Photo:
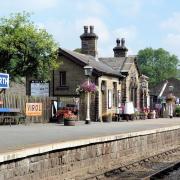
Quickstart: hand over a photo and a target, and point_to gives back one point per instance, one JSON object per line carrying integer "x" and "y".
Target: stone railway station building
{"x": 118, "y": 79}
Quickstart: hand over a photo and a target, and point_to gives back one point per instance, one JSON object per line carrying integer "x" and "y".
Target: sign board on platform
{"x": 39, "y": 88}
{"x": 4, "y": 81}
{"x": 33, "y": 109}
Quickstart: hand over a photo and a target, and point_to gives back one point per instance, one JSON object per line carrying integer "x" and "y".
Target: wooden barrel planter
{"x": 69, "y": 122}
{"x": 107, "y": 118}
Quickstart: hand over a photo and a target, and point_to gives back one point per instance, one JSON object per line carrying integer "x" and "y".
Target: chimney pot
{"x": 89, "y": 41}
{"x": 118, "y": 41}
{"x": 91, "y": 29}
{"x": 120, "y": 50}
{"x": 85, "y": 29}
{"x": 123, "y": 42}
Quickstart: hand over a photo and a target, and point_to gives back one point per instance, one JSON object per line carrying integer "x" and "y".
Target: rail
{"x": 153, "y": 167}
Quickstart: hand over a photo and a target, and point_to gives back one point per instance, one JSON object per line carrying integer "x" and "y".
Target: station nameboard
{"x": 4, "y": 81}
{"x": 33, "y": 109}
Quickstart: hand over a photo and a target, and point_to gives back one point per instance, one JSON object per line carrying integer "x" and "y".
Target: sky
{"x": 143, "y": 23}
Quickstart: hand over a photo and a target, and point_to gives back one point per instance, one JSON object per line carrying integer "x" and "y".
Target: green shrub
{"x": 177, "y": 110}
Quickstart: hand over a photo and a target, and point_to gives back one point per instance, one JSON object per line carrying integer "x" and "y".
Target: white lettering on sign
{"x": 33, "y": 109}
{"x": 4, "y": 80}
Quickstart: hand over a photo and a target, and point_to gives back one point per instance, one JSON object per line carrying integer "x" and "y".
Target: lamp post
{"x": 171, "y": 89}
{"x": 143, "y": 89}
{"x": 88, "y": 72}
{"x": 171, "y": 100}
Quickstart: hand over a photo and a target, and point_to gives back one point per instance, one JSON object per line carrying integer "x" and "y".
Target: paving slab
{"x": 19, "y": 137}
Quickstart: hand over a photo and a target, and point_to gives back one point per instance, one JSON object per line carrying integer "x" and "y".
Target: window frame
{"x": 62, "y": 82}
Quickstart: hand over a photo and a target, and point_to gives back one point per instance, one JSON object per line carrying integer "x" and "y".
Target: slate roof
{"x": 95, "y": 63}
{"x": 111, "y": 66}
{"x": 171, "y": 82}
{"x": 114, "y": 63}
{"x": 123, "y": 64}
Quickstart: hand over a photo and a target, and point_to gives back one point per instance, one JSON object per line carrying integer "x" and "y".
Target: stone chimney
{"x": 89, "y": 42}
{"x": 120, "y": 50}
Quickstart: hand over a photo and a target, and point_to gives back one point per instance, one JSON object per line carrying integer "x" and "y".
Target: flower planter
{"x": 69, "y": 122}
{"x": 142, "y": 116}
{"x": 177, "y": 111}
{"x": 152, "y": 115}
{"x": 107, "y": 118}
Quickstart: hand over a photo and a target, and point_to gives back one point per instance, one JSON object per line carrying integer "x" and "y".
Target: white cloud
{"x": 67, "y": 34}
{"x": 32, "y": 5}
{"x": 172, "y": 23}
{"x": 128, "y": 8}
{"x": 129, "y": 32}
{"x": 100, "y": 27}
{"x": 172, "y": 40}
{"x": 91, "y": 7}
{"x": 172, "y": 43}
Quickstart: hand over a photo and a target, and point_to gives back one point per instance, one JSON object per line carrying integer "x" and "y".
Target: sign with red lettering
{"x": 33, "y": 109}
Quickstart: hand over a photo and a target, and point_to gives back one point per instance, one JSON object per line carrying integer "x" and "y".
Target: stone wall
{"x": 132, "y": 73}
{"x": 88, "y": 160}
{"x": 103, "y": 96}
{"x": 17, "y": 88}
{"x": 74, "y": 77}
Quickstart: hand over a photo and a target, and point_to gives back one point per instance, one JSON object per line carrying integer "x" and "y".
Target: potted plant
{"x": 70, "y": 119}
{"x": 152, "y": 114}
{"x": 107, "y": 117}
{"x": 177, "y": 111}
{"x": 142, "y": 115}
{"x": 136, "y": 114}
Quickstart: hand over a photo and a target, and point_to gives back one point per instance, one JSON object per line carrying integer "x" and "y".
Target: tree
{"x": 79, "y": 50}
{"x": 157, "y": 64}
{"x": 26, "y": 50}
{"x": 178, "y": 74}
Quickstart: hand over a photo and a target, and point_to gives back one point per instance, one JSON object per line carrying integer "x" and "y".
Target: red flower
{"x": 70, "y": 116}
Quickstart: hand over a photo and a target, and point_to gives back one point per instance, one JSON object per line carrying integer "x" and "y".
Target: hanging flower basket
{"x": 86, "y": 87}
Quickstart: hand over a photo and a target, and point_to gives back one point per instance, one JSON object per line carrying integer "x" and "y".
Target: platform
{"x": 20, "y": 140}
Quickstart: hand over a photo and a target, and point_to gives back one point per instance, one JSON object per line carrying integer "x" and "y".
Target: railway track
{"x": 165, "y": 172}
{"x": 155, "y": 167}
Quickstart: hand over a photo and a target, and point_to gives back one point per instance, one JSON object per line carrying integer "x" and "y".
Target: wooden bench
{"x": 11, "y": 115}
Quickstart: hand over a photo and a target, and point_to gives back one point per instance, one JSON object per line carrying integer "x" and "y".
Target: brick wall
{"x": 87, "y": 161}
